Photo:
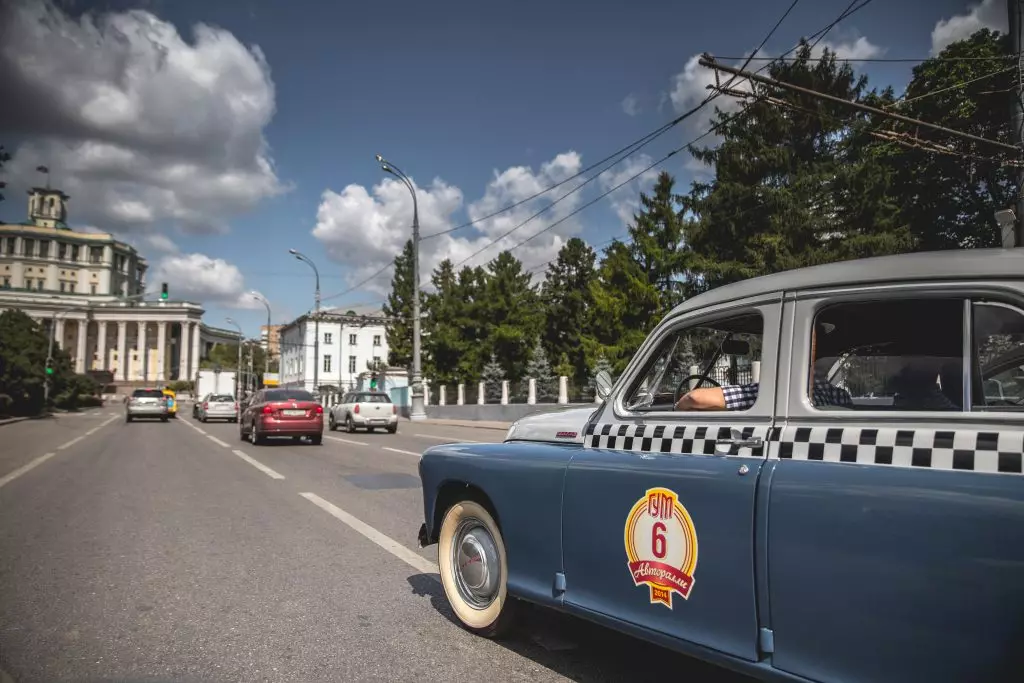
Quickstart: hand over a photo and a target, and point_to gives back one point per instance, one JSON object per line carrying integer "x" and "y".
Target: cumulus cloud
{"x": 625, "y": 201}
{"x": 859, "y": 48}
{"x": 631, "y": 105}
{"x": 197, "y": 277}
{"x": 364, "y": 228}
{"x": 986, "y": 14}
{"x": 139, "y": 126}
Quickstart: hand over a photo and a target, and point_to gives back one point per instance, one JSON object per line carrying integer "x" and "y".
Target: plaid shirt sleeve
{"x": 740, "y": 397}
{"x": 826, "y": 394}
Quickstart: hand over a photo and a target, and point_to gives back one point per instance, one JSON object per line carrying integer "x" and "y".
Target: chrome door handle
{"x": 753, "y": 442}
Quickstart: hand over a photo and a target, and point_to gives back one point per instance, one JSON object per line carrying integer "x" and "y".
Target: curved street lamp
{"x": 266, "y": 304}
{"x": 316, "y": 317}
{"x": 416, "y": 409}
{"x": 238, "y": 368}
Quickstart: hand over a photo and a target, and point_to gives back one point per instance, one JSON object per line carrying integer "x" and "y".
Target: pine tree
{"x": 567, "y": 298}
{"x": 539, "y": 369}
{"x": 509, "y": 308}
{"x": 492, "y": 376}
{"x": 443, "y": 341}
{"x": 398, "y": 309}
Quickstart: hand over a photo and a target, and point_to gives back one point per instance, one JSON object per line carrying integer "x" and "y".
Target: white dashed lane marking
{"x": 258, "y": 465}
{"x": 29, "y": 466}
{"x": 351, "y": 441}
{"x": 386, "y": 542}
{"x": 449, "y": 439}
{"x": 399, "y": 450}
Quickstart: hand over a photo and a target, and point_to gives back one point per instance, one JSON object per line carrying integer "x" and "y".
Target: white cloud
{"x": 139, "y": 126}
{"x": 861, "y": 48}
{"x": 631, "y": 105}
{"x": 197, "y": 277}
{"x": 689, "y": 88}
{"x": 987, "y": 14}
{"x": 626, "y": 200}
{"x": 364, "y": 229}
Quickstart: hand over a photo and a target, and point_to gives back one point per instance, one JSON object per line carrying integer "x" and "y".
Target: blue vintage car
{"x": 809, "y": 476}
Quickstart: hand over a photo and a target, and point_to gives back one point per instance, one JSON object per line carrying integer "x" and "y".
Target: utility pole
{"x": 316, "y": 319}
{"x": 1014, "y": 25}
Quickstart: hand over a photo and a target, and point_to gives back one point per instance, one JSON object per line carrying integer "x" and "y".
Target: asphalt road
{"x": 176, "y": 552}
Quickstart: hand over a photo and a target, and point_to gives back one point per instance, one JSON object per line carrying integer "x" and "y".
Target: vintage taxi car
{"x": 849, "y": 507}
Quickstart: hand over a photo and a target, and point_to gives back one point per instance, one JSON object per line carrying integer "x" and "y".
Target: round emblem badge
{"x": 661, "y": 546}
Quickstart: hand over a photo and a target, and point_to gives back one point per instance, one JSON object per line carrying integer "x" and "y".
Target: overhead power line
{"x": 886, "y": 60}
{"x": 955, "y": 86}
{"x": 709, "y": 62}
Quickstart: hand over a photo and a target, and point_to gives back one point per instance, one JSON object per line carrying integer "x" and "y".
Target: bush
{"x": 5, "y": 404}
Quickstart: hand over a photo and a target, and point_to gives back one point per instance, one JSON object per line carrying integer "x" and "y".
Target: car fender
{"x": 521, "y": 485}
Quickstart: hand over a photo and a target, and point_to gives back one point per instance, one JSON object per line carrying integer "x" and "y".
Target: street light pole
{"x": 266, "y": 356}
{"x": 238, "y": 371}
{"x": 417, "y": 409}
{"x": 316, "y": 317}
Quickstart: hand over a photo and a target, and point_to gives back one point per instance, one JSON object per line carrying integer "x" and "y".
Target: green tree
{"x": 510, "y": 309}
{"x": 949, "y": 200}
{"x": 567, "y": 298}
{"x": 398, "y": 309}
{"x": 656, "y": 241}
{"x": 23, "y": 345}
{"x": 539, "y": 369}
{"x": 792, "y": 187}
{"x": 492, "y": 376}
{"x": 443, "y": 339}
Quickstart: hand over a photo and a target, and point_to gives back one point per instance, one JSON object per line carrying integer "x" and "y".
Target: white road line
{"x": 217, "y": 441}
{"x": 354, "y": 443}
{"x": 25, "y": 468}
{"x": 11, "y": 476}
{"x": 386, "y": 542}
{"x": 449, "y": 439}
{"x": 399, "y": 450}
{"x": 258, "y": 465}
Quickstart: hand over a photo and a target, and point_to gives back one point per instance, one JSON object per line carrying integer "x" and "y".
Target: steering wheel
{"x": 683, "y": 386}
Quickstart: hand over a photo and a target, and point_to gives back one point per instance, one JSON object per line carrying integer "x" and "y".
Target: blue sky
{"x": 454, "y": 92}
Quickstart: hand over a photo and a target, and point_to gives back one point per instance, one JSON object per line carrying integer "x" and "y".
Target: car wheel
{"x": 392, "y": 430}
{"x": 472, "y": 561}
{"x": 242, "y": 436}
{"x": 254, "y": 438}
{"x": 164, "y": 418}
{"x": 316, "y": 439}
{"x": 331, "y": 423}
{"x": 350, "y": 426}
{"x": 127, "y": 418}
{"x": 204, "y": 419}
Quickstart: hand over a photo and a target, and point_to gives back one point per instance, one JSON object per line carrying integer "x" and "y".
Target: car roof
{"x": 925, "y": 266}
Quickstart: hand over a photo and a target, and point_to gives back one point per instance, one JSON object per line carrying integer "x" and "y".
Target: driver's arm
{"x": 740, "y": 397}
{"x": 704, "y": 398}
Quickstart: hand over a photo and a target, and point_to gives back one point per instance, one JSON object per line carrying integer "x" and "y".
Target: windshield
{"x": 289, "y": 395}
{"x": 147, "y": 393}
{"x": 373, "y": 398}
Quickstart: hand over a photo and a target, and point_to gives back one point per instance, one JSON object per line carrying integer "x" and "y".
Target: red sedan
{"x": 282, "y": 412}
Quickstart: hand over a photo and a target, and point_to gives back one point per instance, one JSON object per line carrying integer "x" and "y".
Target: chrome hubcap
{"x": 476, "y": 564}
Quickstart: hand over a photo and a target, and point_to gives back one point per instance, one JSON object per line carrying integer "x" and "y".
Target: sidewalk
{"x": 477, "y": 424}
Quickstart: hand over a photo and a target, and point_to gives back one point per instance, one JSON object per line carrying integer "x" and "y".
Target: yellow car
{"x": 172, "y": 402}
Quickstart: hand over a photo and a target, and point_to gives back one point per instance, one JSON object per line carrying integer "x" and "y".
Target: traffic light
{"x": 49, "y": 366}
{"x": 373, "y": 382}
{"x": 163, "y": 291}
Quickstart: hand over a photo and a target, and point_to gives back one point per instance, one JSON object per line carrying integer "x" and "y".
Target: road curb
{"x": 10, "y": 420}
{"x": 501, "y": 427}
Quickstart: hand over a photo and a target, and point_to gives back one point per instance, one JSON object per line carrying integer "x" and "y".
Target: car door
{"x": 895, "y": 536}
{"x": 658, "y": 507}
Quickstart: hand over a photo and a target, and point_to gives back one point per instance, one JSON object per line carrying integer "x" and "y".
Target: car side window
{"x": 724, "y": 353}
{"x": 888, "y": 355}
{"x": 998, "y": 357}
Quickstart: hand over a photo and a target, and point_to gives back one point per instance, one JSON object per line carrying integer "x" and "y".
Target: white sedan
{"x": 364, "y": 410}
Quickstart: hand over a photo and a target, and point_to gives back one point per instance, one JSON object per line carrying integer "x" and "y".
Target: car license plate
{"x": 294, "y": 413}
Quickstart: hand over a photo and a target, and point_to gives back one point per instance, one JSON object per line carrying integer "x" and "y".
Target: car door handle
{"x": 752, "y": 442}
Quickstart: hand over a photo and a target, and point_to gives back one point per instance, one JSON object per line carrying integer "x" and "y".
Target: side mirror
{"x": 604, "y": 384}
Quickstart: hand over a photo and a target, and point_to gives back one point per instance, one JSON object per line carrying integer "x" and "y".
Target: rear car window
{"x": 147, "y": 393}
{"x": 289, "y": 395}
{"x": 372, "y": 398}
{"x": 222, "y": 398}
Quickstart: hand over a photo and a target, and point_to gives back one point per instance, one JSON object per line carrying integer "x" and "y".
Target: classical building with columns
{"x": 87, "y": 288}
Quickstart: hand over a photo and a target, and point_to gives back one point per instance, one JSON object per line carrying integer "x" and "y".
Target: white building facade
{"x": 350, "y": 342}
{"x": 75, "y": 284}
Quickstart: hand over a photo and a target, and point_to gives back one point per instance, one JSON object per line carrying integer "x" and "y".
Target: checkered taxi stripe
{"x": 1000, "y": 452}
{"x": 961, "y": 449}
{"x": 679, "y": 439}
